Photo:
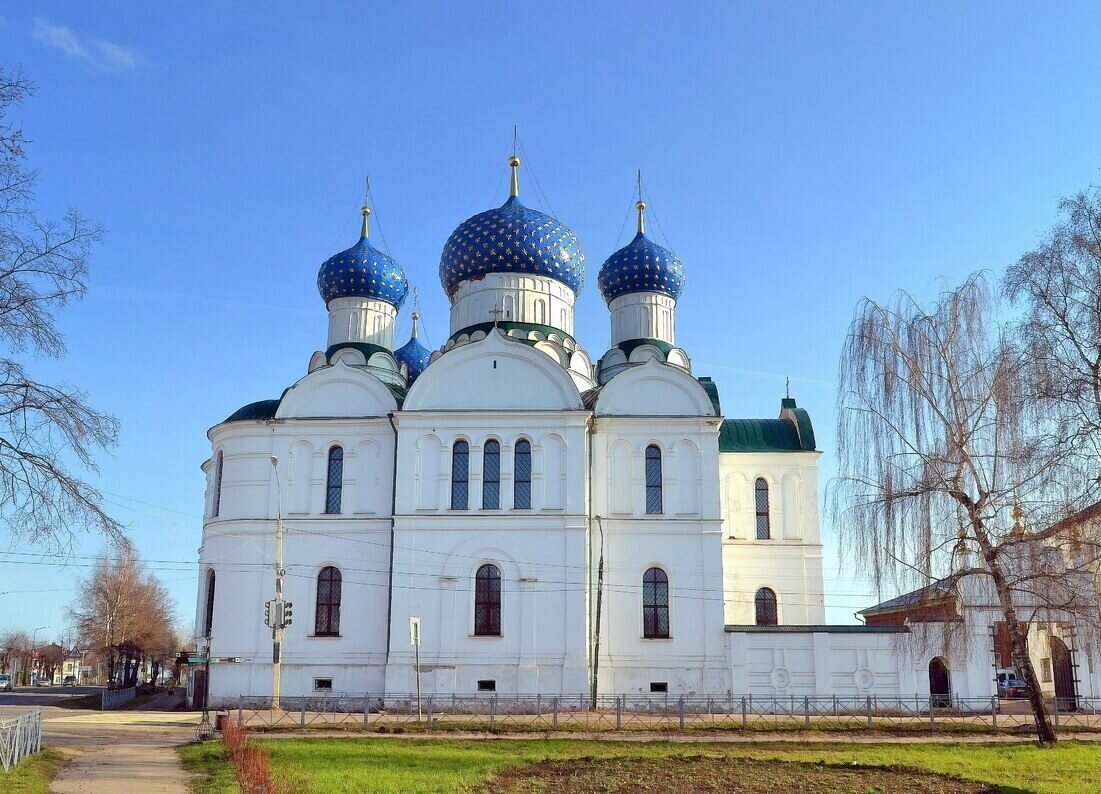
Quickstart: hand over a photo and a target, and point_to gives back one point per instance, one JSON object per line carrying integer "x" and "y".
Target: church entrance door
{"x": 1063, "y": 673}
{"x": 940, "y": 684}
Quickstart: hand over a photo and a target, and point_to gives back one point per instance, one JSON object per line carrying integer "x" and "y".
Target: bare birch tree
{"x": 48, "y": 432}
{"x": 938, "y": 449}
{"x": 1059, "y": 285}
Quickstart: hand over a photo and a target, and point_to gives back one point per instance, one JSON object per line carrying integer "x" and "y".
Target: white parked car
{"x": 5, "y": 682}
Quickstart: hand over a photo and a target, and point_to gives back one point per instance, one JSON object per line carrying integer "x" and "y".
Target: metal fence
{"x": 116, "y": 698}
{"x": 488, "y": 712}
{"x": 20, "y": 736}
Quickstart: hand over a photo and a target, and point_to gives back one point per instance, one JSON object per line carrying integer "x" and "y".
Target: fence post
{"x": 869, "y": 712}
{"x": 493, "y": 714}
{"x": 366, "y": 708}
{"x": 554, "y": 714}
{"x": 302, "y": 715}
{"x": 1055, "y": 700}
{"x": 745, "y": 721}
{"x": 932, "y": 714}
{"x": 682, "y": 712}
{"x": 806, "y": 711}
{"x": 429, "y": 711}
{"x": 994, "y": 712}
{"x": 618, "y": 712}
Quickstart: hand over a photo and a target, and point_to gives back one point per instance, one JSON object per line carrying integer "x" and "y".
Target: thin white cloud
{"x": 103, "y": 56}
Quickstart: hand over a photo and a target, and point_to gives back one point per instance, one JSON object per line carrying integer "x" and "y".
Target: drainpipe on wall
{"x": 393, "y": 522}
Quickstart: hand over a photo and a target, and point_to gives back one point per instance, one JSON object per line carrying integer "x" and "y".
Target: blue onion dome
{"x": 641, "y": 266}
{"x": 512, "y": 239}
{"x": 362, "y": 271}
{"x": 413, "y": 354}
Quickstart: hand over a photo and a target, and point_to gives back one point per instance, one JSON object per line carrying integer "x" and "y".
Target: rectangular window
{"x": 323, "y": 684}
{"x": 487, "y": 685}
{"x": 1045, "y": 670}
{"x": 659, "y": 686}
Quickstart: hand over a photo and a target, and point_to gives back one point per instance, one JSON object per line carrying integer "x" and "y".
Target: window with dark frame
{"x": 327, "y": 615}
{"x": 659, "y": 686}
{"x": 655, "y": 605}
{"x": 653, "y": 480}
{"x": 217, "y": 507}
{"x": 491, "y": 475}
{"x": 521, "y": 476}
{"x": 460, "y": 474}
{"x": 765, "y": 607}
{"x": 487, "y": 602}
{"x": 323, "y": 684}
{"x": 208, "y": 621}
{"x": 760, "y": 496}
{"x": 487, "y": 685}
{"x": 334, "y": 483}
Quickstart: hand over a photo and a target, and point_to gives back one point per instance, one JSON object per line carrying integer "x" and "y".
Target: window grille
{"x": 765, "y": 604}
{"x": 521, "y": 477}
{"x": 487, "y": 601}
{"x": 655, "y": 604}
{"x": 217, "y": 486}
{"x": 334, "y": 483}
{"x": 653, "y": 480}
{"x": 460, "y": 473}
{"x": 760, "y": 494}
{"x": 327, "y": 615}
{"x": 208, "y": 622}
{"x": 491, "y": 475}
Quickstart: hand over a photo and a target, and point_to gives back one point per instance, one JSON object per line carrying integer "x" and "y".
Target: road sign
{"x": 196, "y": 660}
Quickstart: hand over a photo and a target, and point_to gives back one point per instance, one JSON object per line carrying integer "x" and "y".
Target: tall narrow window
{"x": 655, "y": 604}
{"x": 326, "y": 621}
{"x": 760, "y": 497}
{"x": 487, "y": 602}
{"x": 653, "y": 480}
{"x": 521, "y": 476}
{"x": 208, "y": 617}
{"x": 217, "y": 486}
{"x": 491, "y": 475}
{"x": 460, "y": 472}
{"x": 334, "y": 483}
{"x": 765, "y": 603}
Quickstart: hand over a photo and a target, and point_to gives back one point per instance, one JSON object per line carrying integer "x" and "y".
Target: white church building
{"x": 549, "y": 520}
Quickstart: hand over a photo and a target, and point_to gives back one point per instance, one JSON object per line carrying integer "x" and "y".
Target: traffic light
{"x": 287, "y": 605}
{"x": 267, "y": 613}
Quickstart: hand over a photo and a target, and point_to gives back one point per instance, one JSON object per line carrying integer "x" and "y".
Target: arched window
{"x": 491, "y": 475}
{"x": 655, "y": 604}
{"x": 460, "y": 472}
{"x": 760, "y": 498}
{"x": 765, "y": 604}
{"x": 487, "y": 602}
{"x": 326, "y": 621}
{"x": 217, "y": 486}
{"x": 653, "y": 480}
{"x": 208, "y": 617}
{"x": 521, "y": 476}
{"x": 334, "y": 483}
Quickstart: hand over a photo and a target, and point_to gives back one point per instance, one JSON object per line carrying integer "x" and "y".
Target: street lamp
{"x": 34, "y": 647}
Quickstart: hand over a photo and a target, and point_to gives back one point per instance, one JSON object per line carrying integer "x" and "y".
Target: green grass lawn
{"x": 33, "y": 775}
{"x": 426, "y": 765}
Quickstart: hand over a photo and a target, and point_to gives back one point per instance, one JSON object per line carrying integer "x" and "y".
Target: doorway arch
{"x": 1063, "y": 673}
{"x": 940, "y": 683}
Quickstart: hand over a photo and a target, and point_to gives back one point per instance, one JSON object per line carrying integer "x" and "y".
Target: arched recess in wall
{"x": 790, "y": 492}
{"x": 540, "y": 311}
{"x": 554, "y": 472}
{"x": 620, "y": 481}
{"x": 940, "y": 683}
{"x": 428, "y": 473}
{"x": 688, "y": 486}
{"x": 364, "y": 483}
{"x": 299, "y": 484}
{"x": 509, "y": 308}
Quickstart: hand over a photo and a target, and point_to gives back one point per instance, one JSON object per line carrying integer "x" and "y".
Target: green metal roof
{"x": 509, "y": 325}
{"x": 257, "y": 411}
{"x": 712, "y": 392}
{"x": 631, "y": 344}
{"x": 792, "y": 432}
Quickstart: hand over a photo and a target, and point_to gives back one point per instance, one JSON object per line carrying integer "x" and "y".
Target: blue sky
{"x": 797, "y": 157}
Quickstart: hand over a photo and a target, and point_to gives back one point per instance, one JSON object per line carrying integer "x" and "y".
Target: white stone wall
{"x": 643, "y": 315}
{"x": 790, "y": 561}
{"x": 361, "y": 320}
{"x": 515, "y": 298}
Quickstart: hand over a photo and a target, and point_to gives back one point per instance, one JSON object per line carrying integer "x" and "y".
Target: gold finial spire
{"x": 640, "y": 205}
{"x": 1018, "y": 526}
{"x": 365, "y": 229}
{"x": 514, "y": 187}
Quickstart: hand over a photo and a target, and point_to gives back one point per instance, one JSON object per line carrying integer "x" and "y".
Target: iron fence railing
{"x": 115, "y": 698}
{"x": 20, "y": 736}
{"x": 494, "y": 713}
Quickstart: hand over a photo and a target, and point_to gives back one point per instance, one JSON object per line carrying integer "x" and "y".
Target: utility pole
{"x": 276, "y": 611}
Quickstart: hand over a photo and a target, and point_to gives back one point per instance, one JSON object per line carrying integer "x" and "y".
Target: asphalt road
{"x": 34, "y": 696}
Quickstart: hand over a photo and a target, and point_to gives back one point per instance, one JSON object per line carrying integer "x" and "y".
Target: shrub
{"x": 250, "y": 762}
